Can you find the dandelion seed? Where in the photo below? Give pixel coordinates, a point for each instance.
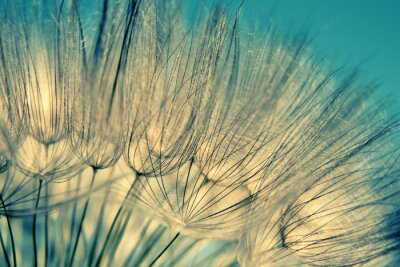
(132, 137)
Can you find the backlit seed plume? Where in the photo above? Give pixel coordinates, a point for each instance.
(249, 124)
(101, 104)
(167, 81)
(132, 134)
(41, 79)
(345, 216)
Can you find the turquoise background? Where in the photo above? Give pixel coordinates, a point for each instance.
(365, 33)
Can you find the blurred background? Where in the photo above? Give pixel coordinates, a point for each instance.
(363, 33)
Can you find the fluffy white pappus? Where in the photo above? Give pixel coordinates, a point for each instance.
(125, 124)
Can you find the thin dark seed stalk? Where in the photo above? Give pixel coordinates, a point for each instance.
(164, 250)
(46, 229)
(72, 228)
(97, 234)
(34, 224)
(135, 250)
(113, 224)
(155, 236)
(120, 232)
(92, 253)
(4, 250)
(175, 261)
(46, 218)
(10, 231)
(108, 237)
(117, 236)
(81, 223)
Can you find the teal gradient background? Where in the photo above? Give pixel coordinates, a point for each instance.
(348, 31)
(364, 33)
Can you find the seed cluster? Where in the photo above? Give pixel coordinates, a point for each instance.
(116, 111)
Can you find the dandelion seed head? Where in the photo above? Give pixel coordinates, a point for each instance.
(132, 135)
(341, 210)
(55, 161)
